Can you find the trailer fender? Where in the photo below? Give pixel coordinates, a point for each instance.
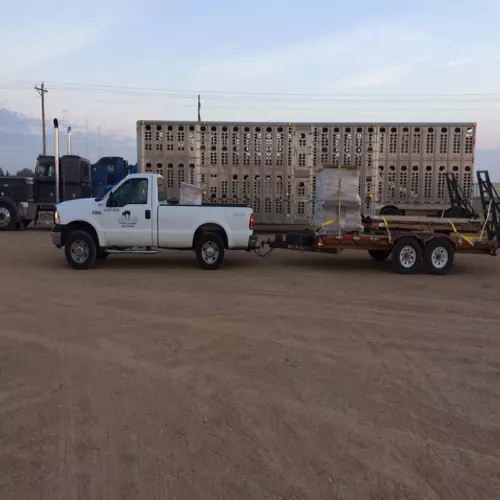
(426, 241)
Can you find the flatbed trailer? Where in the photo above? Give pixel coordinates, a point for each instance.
(411, 242)
(409, 245)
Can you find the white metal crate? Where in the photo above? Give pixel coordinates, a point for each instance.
(270, 165)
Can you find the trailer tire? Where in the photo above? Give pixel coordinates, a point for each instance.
(8, 217)
(439, 256)
(80, 250)
(209, 249)
(380, 255)
(390, 210)
(407, 256)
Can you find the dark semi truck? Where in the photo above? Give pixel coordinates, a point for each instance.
(33, 199)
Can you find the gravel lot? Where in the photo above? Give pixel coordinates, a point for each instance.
(295, 377)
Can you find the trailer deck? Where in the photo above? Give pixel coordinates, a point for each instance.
(410, 241)
(409, 244)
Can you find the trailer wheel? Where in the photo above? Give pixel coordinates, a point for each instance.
(379, 255)
(209, 249)
(407, 256)
(438, 256)
(80, 250)
(7, 217)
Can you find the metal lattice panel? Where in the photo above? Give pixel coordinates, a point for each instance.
(270, 165)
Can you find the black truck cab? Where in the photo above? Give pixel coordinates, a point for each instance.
(26, 199)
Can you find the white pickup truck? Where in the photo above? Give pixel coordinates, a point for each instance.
(135, 217)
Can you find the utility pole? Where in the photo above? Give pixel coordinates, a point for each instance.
(42, 91)
(199, 108)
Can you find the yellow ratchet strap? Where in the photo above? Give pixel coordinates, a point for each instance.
(468, 240)
(327, 223)
(388, 230)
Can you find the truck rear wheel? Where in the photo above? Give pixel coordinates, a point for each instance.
(80, 250)
(438, 256)
(379, 255)
(7, 217)
(407, 256)
(209, 249)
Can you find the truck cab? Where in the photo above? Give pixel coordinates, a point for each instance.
(26, 199)
(135, 217)
(107, 171)
(75, 178)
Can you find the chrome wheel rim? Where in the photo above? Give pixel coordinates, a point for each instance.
(79, 251)
(209, 252)
(408, 257)
(439, 257)
(4, 217)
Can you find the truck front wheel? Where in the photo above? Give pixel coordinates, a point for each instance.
(80, 250)
(7, 217)
(209, 249)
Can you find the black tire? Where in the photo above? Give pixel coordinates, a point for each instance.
(390, 211)
(407, 256)
(209, 249)
(8, 217)
(379, 255)
(439, 256)
(80, 241)
(455, 213)
(102, 254)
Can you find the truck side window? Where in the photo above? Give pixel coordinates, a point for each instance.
(131, 192)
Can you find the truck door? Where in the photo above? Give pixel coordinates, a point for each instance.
(127, 216)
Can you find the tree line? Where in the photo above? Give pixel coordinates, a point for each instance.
(24, 172)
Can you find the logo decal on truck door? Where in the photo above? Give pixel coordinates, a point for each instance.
(126, 219)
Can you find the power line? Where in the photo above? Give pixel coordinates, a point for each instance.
(217, 94)
(271, 94)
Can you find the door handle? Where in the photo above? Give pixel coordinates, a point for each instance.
(148, 214)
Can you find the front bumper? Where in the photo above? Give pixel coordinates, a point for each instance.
(56, 234)
(252, 242)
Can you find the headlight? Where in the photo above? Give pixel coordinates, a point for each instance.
(57, 219)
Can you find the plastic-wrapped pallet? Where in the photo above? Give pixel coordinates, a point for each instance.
(190, 194)
(337, 199)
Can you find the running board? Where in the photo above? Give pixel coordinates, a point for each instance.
(142, 252)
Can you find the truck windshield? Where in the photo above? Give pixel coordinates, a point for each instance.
(162, 190)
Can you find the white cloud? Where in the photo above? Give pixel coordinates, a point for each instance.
(36, 36)
(377, 77)
(321, 60)
(459, 62)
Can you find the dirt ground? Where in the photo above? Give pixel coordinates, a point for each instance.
(295, 377)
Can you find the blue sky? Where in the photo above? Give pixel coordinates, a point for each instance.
(343, 52)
